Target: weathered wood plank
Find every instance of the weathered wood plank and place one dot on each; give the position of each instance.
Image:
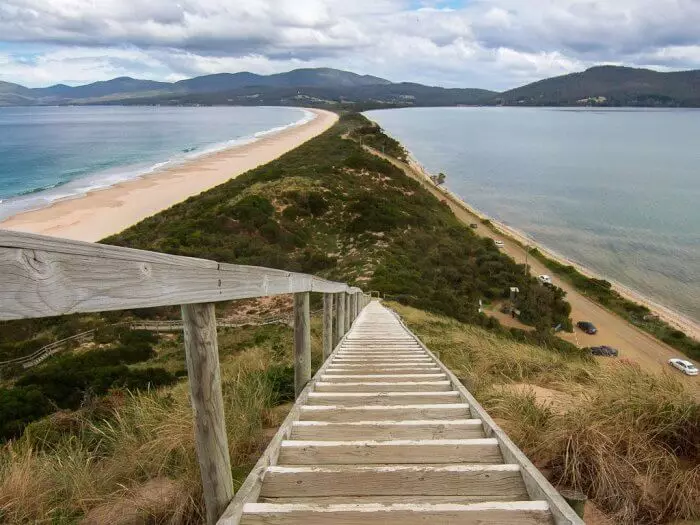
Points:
(383, 378)
(46, 276)
(393, 480)
(405, 386)
(341, 414)
(433, 451)
(327, 325)
(381, 398)
(340, 318)
(202, 355)
(491, 513)
(385, 430)
(302, 342)
(384, 500)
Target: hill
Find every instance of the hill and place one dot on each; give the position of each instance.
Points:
(610, 86)
(319, 87)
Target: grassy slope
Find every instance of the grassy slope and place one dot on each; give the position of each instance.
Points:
(629, 440)
(133, 452)
(333, 209)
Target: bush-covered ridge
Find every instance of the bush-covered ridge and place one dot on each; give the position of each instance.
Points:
(331, 208)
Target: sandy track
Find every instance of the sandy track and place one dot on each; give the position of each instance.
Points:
(634, 344)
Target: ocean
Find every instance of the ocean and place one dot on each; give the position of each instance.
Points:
(51, 153)
(614, 190)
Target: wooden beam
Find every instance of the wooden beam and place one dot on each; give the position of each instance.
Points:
(395, 452)
(393, 480)
(417, 429)
(348, 319)
(340, 318)
(202, 354)
(310, 513)
(44, 276)
(327, 325)
(302, 342)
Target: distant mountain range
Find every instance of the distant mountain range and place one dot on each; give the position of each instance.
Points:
(325, 87)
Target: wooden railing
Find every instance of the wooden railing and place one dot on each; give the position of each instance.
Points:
(45, 276)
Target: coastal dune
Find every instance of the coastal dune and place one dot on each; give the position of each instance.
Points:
(108, 211)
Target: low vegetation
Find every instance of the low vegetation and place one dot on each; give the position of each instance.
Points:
(129, 454)
(627, 439)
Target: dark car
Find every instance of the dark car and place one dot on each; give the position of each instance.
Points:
(587, 327)
(606, 351)
(474, 225)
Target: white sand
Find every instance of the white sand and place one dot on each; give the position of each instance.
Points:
(108, 211)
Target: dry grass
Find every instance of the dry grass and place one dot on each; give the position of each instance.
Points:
(134, 457)
(628, 439)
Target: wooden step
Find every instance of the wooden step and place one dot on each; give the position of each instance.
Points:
(396, 451)
(376, 386)
(491, 513)
(381, 398)
(382, 360)
(345, 370)
(383, 378)
(334, 500)
(341, 414)
(387, 430)
(393, 480)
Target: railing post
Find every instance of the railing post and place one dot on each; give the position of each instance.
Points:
(348, 320)
(340, 318)
(302, 342)
(352, 309)
(327, 325)
(202, 354)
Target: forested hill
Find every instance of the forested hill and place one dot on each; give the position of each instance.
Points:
(610, 86)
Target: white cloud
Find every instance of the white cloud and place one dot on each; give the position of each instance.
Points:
(484, 43)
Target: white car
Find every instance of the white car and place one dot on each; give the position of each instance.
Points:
(545, 279)
(499, 244)
(684, 366)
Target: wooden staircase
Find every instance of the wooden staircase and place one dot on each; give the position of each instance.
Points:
(386, 434)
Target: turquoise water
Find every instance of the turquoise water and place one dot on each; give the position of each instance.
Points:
(50, 153)
(616, 190)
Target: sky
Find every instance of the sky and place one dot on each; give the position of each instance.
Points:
(491, 44)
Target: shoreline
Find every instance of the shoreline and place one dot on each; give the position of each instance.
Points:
(666, 314)
(106, 211)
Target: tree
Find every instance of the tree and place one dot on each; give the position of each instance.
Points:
(438, 179)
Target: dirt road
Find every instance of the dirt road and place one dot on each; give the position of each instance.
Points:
(633, 343)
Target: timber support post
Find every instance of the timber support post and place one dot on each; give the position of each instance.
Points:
(327, 325)
(340, 317)
(202, 353)
(302, 342)
(348, 319)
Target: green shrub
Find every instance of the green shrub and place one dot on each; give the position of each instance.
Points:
(18, 407)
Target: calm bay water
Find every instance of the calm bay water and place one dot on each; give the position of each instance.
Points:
(617, 190)
(49, 153)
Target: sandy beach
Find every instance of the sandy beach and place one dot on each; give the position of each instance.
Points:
(108, 211)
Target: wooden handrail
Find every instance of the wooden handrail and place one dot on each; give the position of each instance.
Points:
(43, 276)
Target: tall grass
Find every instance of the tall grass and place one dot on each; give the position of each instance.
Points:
(135, 454)
(628, 439)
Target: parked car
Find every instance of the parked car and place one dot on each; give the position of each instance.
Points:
(499, 244)
(587, 327)
(684, 366)
(545, 279)
(474, 225)
(606, 351)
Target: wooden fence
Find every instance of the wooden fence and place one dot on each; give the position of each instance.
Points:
(44, 276)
